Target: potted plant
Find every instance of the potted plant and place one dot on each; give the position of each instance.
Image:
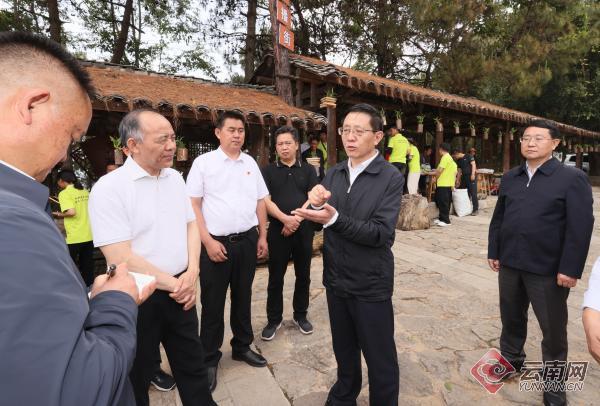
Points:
(182, 151)
(118, 150)
(399, 119)
(383, 119)
(499, 137)
(456, 127)
(439, 127)
(564, 142)
(472, 127)
(486, 133)
(329, 100)
(512, 133)
(420, 120)
(578, 148)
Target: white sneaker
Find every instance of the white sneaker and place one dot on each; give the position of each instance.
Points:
(442, 224)
(436, 222)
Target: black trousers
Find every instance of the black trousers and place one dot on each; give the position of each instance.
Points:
(83, 256)
(298, 247)
(236, 273)
(443, 198)
(471, 186)
(402, 168)
(368, 327)
(162, 319)
(549, 301)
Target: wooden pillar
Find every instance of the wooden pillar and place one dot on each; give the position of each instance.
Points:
(299, 90)
(439, 138)
(263, 146)
(506, 149)
(314, 101)
(283, 84)
(579, 156)
(331, 136)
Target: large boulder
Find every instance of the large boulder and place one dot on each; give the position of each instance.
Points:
(413, 213)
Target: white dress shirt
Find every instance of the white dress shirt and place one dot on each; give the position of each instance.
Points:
(354, 172)
(230, 190)
(591, 298)
(152, 212)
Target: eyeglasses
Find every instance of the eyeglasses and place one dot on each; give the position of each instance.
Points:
(537, 138)
(359, 132)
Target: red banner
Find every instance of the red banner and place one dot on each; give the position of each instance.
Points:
(284, 16)
(286, 37)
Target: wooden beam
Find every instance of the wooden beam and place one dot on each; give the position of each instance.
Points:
(331, 136)
(506, 149)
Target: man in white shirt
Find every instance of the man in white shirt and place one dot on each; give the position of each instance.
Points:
(591, 312)
(140, 214)
(228, 191)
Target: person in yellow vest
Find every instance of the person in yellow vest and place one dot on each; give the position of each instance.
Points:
(323, 146)
(73, 201)
(414, 168)
(398, 144)
(446, 180)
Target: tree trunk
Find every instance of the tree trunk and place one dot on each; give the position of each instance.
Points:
(119, 49)
(250, 52)
(282, 62)
(303, 39)
(54, 19)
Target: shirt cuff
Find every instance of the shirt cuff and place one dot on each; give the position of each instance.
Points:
(333, 220)
(317, 207)
(591, 298)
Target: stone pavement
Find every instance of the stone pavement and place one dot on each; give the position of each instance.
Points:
(447, 317)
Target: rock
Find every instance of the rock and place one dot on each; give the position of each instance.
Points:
(413, 213)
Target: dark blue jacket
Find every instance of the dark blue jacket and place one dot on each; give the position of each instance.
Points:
(357, 255)
(546, 227)
(56, 348)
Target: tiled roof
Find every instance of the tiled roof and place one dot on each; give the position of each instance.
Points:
(125, 88)
(410, 93)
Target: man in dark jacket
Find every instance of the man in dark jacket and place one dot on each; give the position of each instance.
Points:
(358, 203)
(56, 346)
(538, 242)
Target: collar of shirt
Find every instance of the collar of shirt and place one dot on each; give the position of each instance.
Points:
(241, 158)
(136, 172)
(24, 185)
(16, 169)
(280, 164)
(546, 168)
(357, 170)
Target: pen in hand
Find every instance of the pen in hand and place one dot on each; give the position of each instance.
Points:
(110, 271)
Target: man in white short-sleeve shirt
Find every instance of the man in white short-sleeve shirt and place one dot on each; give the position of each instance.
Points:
(591, 312)
(228, 191)
(140, 214)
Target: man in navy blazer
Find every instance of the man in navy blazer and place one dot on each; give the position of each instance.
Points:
(538, 242)
(57, 347)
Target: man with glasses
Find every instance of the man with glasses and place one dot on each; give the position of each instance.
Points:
(538, 243)
(358, 203)
(228, 195)
(289, 180)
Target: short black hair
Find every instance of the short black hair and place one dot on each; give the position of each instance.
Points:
(427, 147)
(234, 114)
(314, 138)
(445, 146)
(13, 43)
(376, 121)
(286, 129)
(547, 124)
(67, 175)
(457, 150)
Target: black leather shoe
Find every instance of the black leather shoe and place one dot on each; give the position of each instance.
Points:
(162, 381)
(212, 377)
(251, 358)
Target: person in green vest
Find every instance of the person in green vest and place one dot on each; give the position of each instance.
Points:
(414, 168)
(314, 152)
(73, 201)
(398, 144)
(446, 180)
(323, 146)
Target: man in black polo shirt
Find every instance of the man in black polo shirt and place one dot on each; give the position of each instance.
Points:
(289, 180)
(538, 242)
(467, 175)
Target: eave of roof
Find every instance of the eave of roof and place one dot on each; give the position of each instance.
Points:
(124, 88)
(406, 92)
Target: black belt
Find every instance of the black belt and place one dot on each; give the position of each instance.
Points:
(233, 237)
